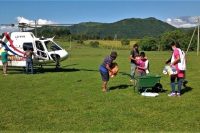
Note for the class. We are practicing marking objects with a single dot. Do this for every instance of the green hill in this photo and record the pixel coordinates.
(127, 28)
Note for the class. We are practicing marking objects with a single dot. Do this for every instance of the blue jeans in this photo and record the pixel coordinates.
(29, 64)
(173, 84)
(104, 73)
(133, 68)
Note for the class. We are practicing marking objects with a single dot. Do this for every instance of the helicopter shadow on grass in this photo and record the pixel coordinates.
(16, 70)
(45, 70)
(37, 69)
(64, 69)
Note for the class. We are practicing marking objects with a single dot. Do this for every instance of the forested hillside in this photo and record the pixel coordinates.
(123, 29)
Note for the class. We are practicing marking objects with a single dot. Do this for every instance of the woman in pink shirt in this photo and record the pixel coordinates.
(175, 59)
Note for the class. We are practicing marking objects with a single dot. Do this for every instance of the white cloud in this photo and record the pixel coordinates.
(42, 21)
(183, 22)
(169, 20)
(24, 20)
(32, 22)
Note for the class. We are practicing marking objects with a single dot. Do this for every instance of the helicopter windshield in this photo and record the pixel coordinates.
(51, 46)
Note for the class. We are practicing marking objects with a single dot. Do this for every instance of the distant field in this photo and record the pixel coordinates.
(71, 99)
(111, 43)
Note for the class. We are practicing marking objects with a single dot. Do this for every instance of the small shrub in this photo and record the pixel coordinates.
(80, 41)
(94, 44)
(125, 42)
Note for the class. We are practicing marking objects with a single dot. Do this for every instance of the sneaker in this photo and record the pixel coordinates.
(172, 94)
(178, 94)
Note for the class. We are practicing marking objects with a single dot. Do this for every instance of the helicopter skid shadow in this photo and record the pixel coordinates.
(16, 71)
(44, 70)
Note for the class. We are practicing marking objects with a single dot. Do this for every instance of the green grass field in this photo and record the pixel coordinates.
(71, 99)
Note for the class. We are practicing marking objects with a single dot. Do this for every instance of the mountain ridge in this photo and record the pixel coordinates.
(125, 28)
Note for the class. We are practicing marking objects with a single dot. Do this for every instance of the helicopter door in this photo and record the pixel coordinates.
(41, 51)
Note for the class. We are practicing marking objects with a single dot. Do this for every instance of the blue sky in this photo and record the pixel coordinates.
(77, 11)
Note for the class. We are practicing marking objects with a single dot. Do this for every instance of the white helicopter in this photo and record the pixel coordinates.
(45, 49)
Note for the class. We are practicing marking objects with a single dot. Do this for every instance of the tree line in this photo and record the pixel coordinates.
(162, 42)
(147, 43)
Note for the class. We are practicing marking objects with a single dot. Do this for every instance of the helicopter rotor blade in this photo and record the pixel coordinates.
(12, 25)
(40, 25)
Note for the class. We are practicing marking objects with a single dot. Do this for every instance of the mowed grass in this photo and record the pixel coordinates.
(71, 99)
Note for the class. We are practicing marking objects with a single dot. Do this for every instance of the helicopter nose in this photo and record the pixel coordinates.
(65, 54)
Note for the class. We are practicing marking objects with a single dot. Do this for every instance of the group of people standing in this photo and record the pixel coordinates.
(138, 60)
(29, 61)
(139, 63)
(140, 67)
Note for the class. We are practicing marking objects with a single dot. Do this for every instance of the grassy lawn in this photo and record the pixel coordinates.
(71, 99)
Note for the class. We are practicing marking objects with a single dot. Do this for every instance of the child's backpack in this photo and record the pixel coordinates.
(182, 62)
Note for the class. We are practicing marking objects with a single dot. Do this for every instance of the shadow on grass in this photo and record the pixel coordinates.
(123, 86)
(156, 91)
(68, 65)
(16, 70)
(44, 70)
(126, 74)
(186, 89)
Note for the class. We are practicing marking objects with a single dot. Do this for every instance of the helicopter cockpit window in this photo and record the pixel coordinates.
(40, 49)
(51, 46)
(27, 45)
(39, 45)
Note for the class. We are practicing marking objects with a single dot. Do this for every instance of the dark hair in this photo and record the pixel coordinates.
(142, 54)
(175, 43)
(113, 54)
(135, 45)
(172, 43)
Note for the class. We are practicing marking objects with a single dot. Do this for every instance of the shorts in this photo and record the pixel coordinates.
(104, 76)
